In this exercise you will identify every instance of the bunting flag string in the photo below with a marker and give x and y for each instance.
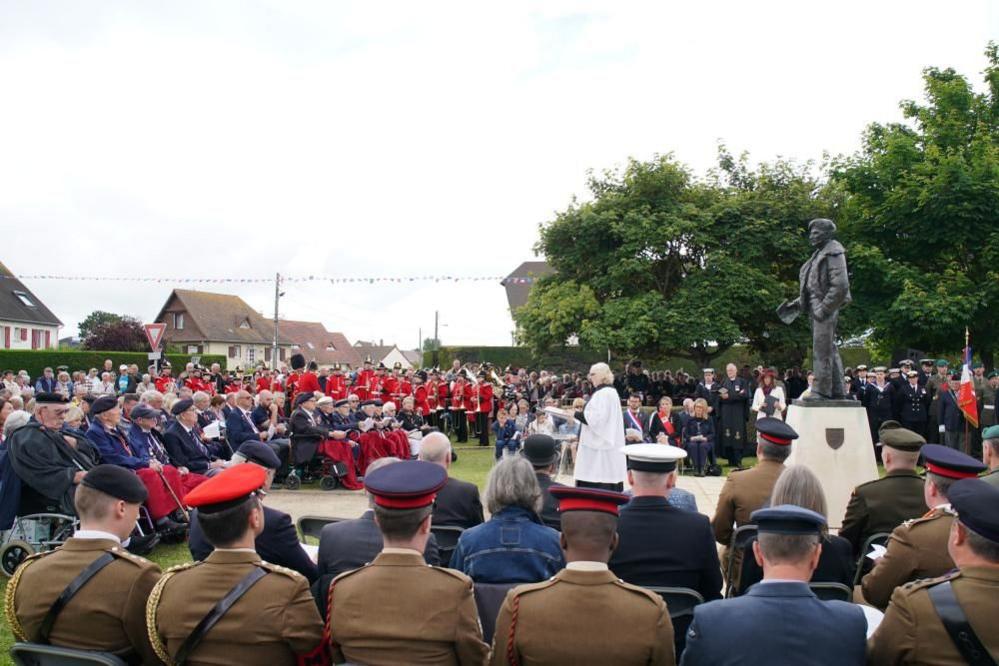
(257, 280)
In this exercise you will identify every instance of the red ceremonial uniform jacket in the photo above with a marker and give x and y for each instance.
(390, 388)
(234, 387)
(443, 391)
(364, 384)
(458, 396)
(290, 383)
(336, 386)
(485, 396)
(161, 383)
(263, 384)
(307, 382)
(420, 398)
(405, 387)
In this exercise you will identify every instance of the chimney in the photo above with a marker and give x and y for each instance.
(381, 342)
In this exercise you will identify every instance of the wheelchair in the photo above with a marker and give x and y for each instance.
(34, 533)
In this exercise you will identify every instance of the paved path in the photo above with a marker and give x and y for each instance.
(351, 504)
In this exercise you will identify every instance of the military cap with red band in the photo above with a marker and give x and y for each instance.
(410, 484)
(775, 431)
(588, 499)
(950, 463)
(227, 489)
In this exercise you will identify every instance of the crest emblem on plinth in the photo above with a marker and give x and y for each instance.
(835, 437)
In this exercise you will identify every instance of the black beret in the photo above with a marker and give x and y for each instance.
(117, 482)
(257, 452)
(181, 406)
(46, 398)
(341, 403)
(103, 404)
(302, 398)
(976, 503)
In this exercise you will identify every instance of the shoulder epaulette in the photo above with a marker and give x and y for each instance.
(922, 583)
(453, 572)
(648, 594)
(124, 555)
(339, 577)
(276, 568)
(521, 590)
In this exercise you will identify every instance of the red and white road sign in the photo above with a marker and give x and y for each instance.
(154, 333)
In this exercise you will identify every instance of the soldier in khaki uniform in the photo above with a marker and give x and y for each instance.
(265, 613)
(934, 385)
(747, 490)
(913, 630)
(990, 454)
(988, 401)
(918, 548)
(106, 613)
(398, 609)
(884, 504)
(584, 614)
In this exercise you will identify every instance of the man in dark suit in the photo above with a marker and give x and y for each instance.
(635, 420)
(661, 545)
(458, 502)
(240, 427)
(278, 543)
(182, 443)
(542, 452)
(779, 620)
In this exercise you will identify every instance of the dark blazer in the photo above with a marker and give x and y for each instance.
(259, 415)
(549, 505)
(349, 544)
(643, 420)
(837, 564)
(951, 416)
(277, 544)
(238, 429)
(777, 623)
(184, 449)
(656, 426)
(663, 546)
(458, 504)
(306, 436)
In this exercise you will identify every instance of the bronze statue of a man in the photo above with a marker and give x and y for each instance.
(825, 289)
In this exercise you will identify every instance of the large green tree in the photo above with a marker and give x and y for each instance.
(109, 331)
(922, 218)
(660, 262)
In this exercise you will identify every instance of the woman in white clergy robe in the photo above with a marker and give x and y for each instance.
(600, 459)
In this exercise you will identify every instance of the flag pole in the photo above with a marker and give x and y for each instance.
(967, 436)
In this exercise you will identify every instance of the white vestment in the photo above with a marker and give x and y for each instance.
(600, 455)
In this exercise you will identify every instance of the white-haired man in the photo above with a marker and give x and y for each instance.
(600, 461)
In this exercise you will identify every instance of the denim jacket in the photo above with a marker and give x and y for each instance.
(511, 547)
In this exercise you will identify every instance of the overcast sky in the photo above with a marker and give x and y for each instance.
(238, 139)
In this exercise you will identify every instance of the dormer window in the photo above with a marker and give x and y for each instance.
(330, 347)
(245, 323)
(25, 299)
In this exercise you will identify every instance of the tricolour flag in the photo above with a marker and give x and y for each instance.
(966, 399)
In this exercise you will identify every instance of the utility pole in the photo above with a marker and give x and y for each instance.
(277, 297)
(437, 341)
(420, 346)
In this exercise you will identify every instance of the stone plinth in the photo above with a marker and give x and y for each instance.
(834, 442)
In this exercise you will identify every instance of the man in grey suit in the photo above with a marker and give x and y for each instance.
(779, 620)
(350, 544)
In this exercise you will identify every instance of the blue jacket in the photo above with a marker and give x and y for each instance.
(143, 449)
(45, 385)
(238, 429)
(776, 623)
(505, 433)
(511, 547)
(114, 447)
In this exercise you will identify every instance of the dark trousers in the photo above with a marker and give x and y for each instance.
(616, 487)
(460, 424)
(482, 425)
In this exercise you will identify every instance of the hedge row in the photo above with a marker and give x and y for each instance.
(575, 359)
(35, 361)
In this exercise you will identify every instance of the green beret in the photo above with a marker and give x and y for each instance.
(901, 439)
(992, 432)
(994, 373)
(942, 363)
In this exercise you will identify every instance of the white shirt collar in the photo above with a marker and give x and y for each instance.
(401, 551)
(95, 534)
(584, 565)
(236, 550)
